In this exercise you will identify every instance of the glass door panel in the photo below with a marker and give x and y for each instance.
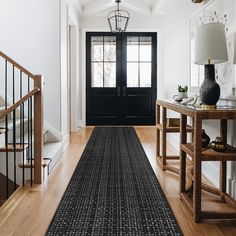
(139, 61)
(145, 75)
(103, 60)
(97, 75)
(146, 49)
(109, 75)
(132, 74)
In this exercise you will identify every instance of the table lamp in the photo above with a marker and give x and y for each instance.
(210, 49)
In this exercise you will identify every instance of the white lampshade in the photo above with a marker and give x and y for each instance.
(210, 44)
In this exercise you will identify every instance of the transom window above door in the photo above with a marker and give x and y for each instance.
(103, 61)
(139, 61)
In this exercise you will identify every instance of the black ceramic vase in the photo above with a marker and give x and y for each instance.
(210, 90)
(205, 139)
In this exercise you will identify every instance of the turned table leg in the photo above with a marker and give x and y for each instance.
(223, 166)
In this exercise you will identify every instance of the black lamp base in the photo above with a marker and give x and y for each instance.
(210, 90)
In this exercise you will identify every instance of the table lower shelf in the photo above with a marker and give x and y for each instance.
(187, 198)
(208, 154)
(206, 214)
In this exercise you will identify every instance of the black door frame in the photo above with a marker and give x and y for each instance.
(117, 94)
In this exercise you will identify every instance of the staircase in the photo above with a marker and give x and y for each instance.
(25, 154)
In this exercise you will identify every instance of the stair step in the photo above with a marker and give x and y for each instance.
(10, 148)
(28, 165)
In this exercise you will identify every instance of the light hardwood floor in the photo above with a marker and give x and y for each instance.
(30, 210)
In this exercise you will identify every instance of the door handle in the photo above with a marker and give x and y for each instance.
(124, 91)
(118, 91)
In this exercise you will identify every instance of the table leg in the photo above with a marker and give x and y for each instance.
(183, 139)
(163, 136)
(192, 134)
(197, 172)
(158, 131)
(158, 143)
(223, 165)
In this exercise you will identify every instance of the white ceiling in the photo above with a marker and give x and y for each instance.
(98, 7)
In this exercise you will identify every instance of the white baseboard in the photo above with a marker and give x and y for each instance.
(76, 129)
(54, 135)
(81, 123)
(66, 142)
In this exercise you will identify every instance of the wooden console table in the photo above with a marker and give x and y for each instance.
(191, 196)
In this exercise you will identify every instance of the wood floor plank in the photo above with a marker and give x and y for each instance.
(30, 210)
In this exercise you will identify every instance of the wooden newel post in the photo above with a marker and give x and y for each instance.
(38, 130)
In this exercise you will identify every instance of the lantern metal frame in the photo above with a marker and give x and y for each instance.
(118, 19)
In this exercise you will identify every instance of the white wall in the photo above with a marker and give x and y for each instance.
(30, 35)
(176, 44)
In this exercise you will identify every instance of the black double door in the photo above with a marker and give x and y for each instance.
(121, 78)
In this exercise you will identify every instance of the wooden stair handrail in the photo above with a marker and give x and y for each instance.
(21, 68)
(19, 102)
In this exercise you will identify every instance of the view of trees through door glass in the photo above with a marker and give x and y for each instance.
(103, 64)
(139, 61)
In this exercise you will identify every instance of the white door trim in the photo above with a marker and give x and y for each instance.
(73, 91)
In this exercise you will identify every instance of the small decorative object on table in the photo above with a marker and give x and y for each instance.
(205, 139)
(218, 145)
(182, 93)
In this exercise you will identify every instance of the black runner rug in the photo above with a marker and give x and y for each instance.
(114, 191)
